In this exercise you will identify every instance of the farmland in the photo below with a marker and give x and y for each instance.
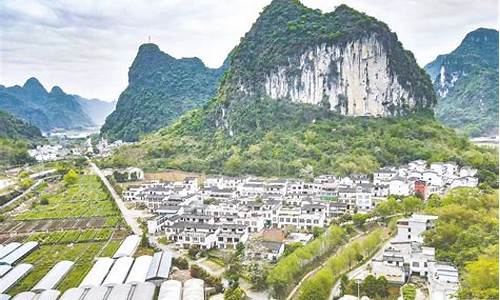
(76, 221)
(85, 198)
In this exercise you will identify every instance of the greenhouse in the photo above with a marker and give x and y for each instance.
(128, 247)
(120, 291)
(139, 269)
(24, 296)
(4, 297)
(49, 295)
(19, 253)
(97, 292)
(119, 271)
(14, 276)
(4, 269)
(7, 249)
(72, 294)
(170, 290)
(160, 267)
(142, 291)
(54, 276)
(193, 289)
(98, 272)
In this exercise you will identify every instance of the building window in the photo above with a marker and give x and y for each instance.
(415, 264)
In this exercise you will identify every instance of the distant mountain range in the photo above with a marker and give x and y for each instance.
(466, 82)
(160, 89)
(50, 110)
(96, 109)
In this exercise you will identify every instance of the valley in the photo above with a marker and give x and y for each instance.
(317, 160)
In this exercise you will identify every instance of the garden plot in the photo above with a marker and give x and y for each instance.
(79, 223)
(85, 198)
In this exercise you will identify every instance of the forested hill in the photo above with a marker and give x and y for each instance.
(160, 89)
(466, 81)
(16, 136)
(13, 128)
(46, 110)
(246, 130)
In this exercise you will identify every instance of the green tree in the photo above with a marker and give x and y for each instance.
(412, 204)
(344, 284)
(26, 183)
(359, 219)
(240, 249)
(70, 178)
(387, 208)
(481, 277)
(234, 293)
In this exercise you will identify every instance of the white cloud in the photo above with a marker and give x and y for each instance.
(87, 46)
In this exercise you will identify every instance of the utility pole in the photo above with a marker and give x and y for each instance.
(358, 281)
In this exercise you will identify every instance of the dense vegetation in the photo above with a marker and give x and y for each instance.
(471, 84)
(160, 89)
(15, 138)
(284, 141)
(285, 275)
(320, 284)
(45, 110)
(466, 234)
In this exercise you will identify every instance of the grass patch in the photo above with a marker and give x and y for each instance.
(110, 248)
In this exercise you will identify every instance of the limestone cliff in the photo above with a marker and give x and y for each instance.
(343, 61)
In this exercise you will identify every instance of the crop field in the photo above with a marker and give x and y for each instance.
(86, 198)
(71, 236)
(79, 223)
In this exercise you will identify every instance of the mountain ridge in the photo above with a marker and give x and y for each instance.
(46, 110)
(466, 81)
(160, 89)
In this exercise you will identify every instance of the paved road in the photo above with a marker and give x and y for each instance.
(37, 183)
(130, 216)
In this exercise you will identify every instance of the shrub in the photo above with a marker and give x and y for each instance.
(181, 263)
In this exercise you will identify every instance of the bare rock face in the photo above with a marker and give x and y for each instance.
(353, 80)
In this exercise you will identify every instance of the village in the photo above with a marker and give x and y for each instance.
(266, 215)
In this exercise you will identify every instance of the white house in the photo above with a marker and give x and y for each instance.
(411, 229)
(399, 186)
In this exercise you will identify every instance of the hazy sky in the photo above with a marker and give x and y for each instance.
(87, 46)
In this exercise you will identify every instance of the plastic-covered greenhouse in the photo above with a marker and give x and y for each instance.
(14, 276)
(119, 271)
(193, 289)
(170, 290)
(139, 269)
(54, 276)
(98, 272)
(128, 247)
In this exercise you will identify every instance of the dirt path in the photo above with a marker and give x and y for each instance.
(130, 216)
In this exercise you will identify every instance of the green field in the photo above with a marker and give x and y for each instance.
(85, 198)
